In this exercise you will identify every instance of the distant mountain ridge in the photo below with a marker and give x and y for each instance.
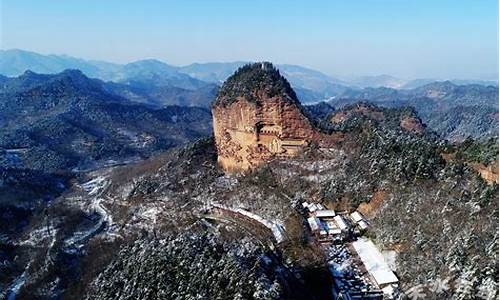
(389, 81)
(16, 62)
(311, 84)
(455, 109)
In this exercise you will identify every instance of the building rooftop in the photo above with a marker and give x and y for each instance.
(328, 213)
(340, 223)
(314, 223)
(356, 216)
(374, 262)
(363, 225)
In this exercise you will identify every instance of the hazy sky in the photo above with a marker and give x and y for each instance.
(412, 39)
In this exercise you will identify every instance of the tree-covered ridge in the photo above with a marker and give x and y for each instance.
(453, 111)
(67, 120)
(485, 152)
(249, 79)
(194, 266)
(365, 115)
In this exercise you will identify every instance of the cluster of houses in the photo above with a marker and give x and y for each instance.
(330, 226)
(359, 269)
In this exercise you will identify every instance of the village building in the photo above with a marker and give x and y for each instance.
(359, 269)
(314, 224)
(377, 267)
(359, 220)
(325, 214)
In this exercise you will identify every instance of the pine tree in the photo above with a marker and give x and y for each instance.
(465, 285)
(488, 289)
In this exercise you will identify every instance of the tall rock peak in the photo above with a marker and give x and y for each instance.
(252, 79)
(257, 117)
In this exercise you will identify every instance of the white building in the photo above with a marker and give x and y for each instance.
(356, 216)
(363, 225)
(376, 266)
(341, 223)
(324, 214)
(314, 224)
(312, 207)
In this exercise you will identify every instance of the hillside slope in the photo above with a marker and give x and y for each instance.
(56, 122)
(453, 111)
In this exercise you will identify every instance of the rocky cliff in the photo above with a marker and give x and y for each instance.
(257, 117)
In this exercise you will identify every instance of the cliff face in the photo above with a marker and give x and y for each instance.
(257, 117)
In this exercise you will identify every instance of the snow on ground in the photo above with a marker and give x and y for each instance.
(276, 228)
(390, 257)
(319, 165)
(37, 236)
(96, 185)
(227, 182)
(97, 206)
(78, 238)
(94, 188)
(125, 190)
(318, 178)
(16, 286)
(151, 214)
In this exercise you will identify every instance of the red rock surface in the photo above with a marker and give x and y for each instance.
(249, 133)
